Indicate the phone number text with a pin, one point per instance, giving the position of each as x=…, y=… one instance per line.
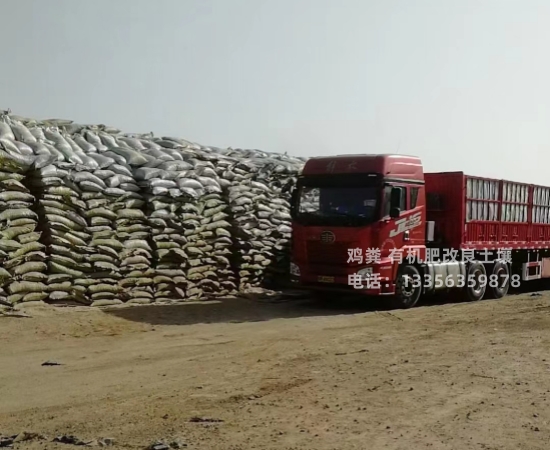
x=461, y=281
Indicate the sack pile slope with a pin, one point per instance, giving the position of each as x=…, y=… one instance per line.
x=110, y=217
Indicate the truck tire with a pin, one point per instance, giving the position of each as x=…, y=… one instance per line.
x=408, y=287
x=474, y=290
x=501, y=272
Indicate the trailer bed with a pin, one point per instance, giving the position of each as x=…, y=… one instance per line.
x=483, y=213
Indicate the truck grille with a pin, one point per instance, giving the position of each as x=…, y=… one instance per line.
x=329, y=254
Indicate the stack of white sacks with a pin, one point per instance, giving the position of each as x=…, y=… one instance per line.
x=186, y=213
x=132, y=218
x=259, y=197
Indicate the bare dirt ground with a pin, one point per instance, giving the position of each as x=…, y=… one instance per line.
x=292, y=375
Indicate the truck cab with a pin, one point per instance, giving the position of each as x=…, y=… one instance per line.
x=353, y=217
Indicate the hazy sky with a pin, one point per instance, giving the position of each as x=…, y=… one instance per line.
x=464, y=84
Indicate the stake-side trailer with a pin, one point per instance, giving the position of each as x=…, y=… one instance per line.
x=378, y=225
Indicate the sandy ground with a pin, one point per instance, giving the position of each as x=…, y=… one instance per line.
x=291, y=375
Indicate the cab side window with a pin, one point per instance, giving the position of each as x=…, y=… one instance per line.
x=413, y=197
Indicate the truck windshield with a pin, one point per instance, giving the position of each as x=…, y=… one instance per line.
x=346, y=204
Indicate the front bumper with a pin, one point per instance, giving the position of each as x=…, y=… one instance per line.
x=341, y=283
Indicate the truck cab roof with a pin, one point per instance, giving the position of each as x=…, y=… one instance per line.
x=388, y=165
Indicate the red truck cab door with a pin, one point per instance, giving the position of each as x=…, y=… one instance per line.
x=403, y=218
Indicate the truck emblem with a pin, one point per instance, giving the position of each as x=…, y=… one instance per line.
x=352, y=165
x=331, y=166
x=406, y=223
x=328, y=237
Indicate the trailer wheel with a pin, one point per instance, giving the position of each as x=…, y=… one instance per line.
x=500, y=275
x=408, y=287
x=474, y=289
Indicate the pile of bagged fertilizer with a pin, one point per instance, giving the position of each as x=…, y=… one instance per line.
x=103, y=217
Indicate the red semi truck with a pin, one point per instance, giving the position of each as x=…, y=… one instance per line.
x=378, y=225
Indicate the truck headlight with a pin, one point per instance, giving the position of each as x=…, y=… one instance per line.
x=365, y=273
x=294, y=270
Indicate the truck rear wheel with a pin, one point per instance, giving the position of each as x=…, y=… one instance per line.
x=475, y=288
x=408, y=287
x=500, y=275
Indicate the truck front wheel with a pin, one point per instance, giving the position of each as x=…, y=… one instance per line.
x=408, y=287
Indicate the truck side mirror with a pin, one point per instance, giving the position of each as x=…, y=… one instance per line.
x=394, y=213
x=395, y=202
